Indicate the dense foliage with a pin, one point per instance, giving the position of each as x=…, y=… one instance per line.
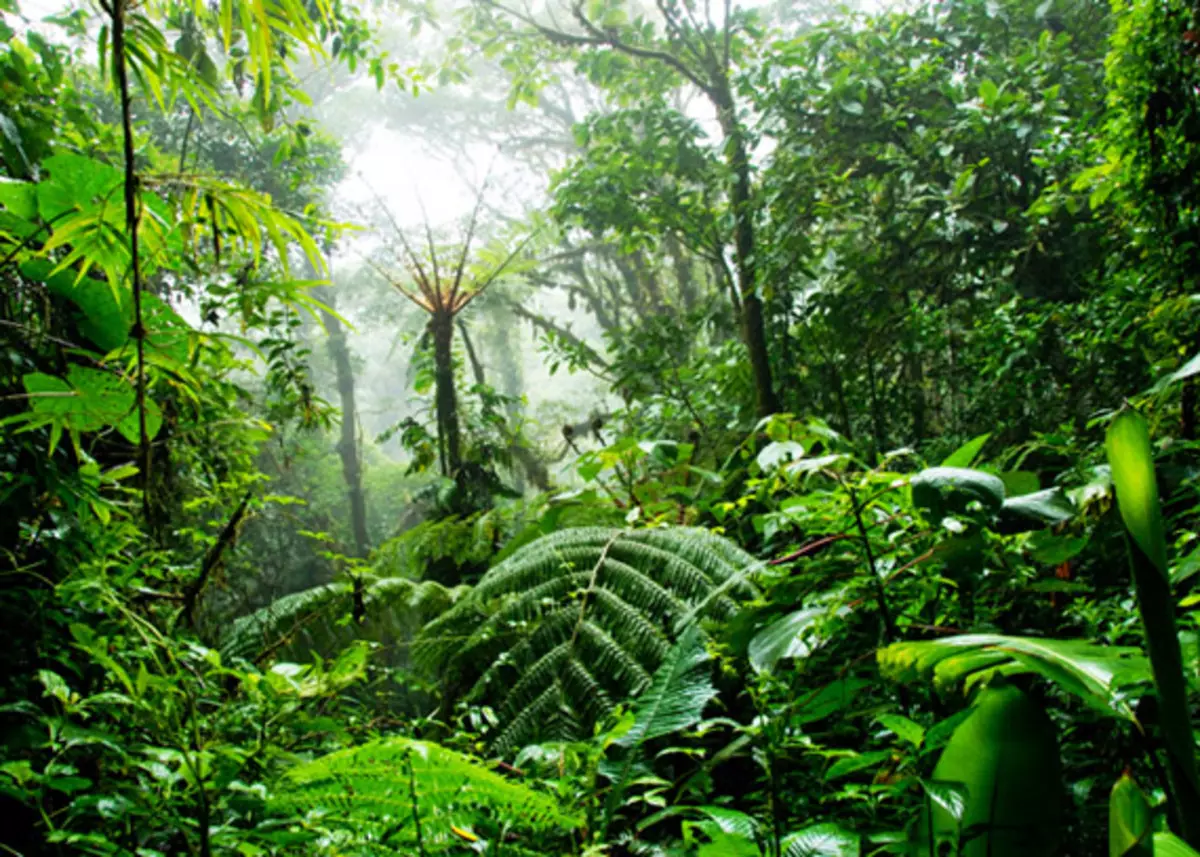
x=866, y=523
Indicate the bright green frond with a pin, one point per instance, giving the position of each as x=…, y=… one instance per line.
x=571, y=624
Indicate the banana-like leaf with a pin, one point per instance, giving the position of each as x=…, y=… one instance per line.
x=1105, y=677
x=1005, y=757
x=1129, y=821
x=1170, y=845
x=1132, y=463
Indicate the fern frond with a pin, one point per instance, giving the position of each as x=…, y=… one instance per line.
x=313, y=619
x=399, y=781
x=283, y=617
x=567, y=626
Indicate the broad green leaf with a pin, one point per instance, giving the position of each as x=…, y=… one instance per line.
x=54, y=685
x=792, y=636
x=19, y=197
x=1005, y=754
x=964, y=456
x=1130, y=820
x=1132, y=463
x=1035, y=511
x=76, y=180
x=1169, y=845
x=718, y=842
x=777, y=453
x=1102, y=676
x=1051, y=549
x=942, y=491
x=1018, y=482
x=104, y=321
x=829, y=699
x=857, y=762
x=903, y=728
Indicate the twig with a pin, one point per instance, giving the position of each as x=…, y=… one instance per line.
x=193, y=591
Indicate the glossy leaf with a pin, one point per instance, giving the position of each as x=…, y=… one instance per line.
x=1005, y=756
x=942, y=491
x=1132, y=463
x=1130, y=821
x=1105, y=677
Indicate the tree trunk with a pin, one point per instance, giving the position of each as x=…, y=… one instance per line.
x=753, y=328
x=684, y=281
x=441, y=325
x=347, y=446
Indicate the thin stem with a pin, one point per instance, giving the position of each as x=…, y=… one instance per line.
x=132, y=218
x=416, y=814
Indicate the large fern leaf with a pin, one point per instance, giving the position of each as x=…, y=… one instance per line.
x=314, y=619
x=575, y=622
x=400, y=784
x=674, y=701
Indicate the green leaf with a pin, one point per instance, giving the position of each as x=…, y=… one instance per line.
x=1050, y=549
x=105, y=321
x=1102, y=676
x=1169, y=845
x=777, y=453
x=19, y=197
x=1130, y=820
x=942, y=491
x=964, y=456
x=857, y=762
x=1018, y=482
x=904, y=729
x=1006, y=756
x=988, y=91
x=789, y=637
x=54, y=685
x=821, y=840
x=1132, y=463
x=677, y=694
x=1035, y=511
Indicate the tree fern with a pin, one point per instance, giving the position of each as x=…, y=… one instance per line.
x=314, y=619
x=575, y=622
x=674, y=701
x=403, y=793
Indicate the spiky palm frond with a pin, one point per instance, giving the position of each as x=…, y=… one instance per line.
x=314, y=619
x=398, y=792
x=571, y=624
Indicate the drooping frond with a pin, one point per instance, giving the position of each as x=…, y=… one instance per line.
x=315, y=619
x=399, y=784
x=1105, y=677
x=575, y=622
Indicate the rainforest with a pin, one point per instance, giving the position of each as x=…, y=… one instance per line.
x=597, y=428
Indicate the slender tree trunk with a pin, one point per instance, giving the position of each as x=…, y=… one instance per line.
x=684, y=280
x=753, y=327
x=347, y=446
x=441, y=325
